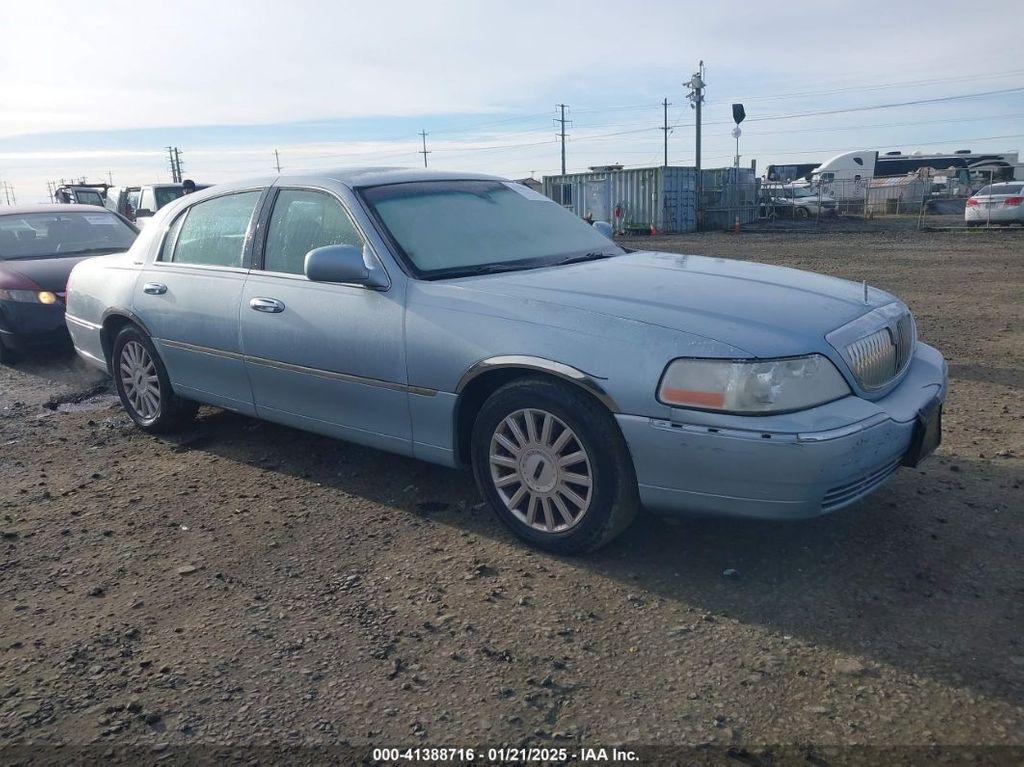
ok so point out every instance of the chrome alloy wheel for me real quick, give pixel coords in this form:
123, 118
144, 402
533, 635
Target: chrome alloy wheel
541, 470
139, 380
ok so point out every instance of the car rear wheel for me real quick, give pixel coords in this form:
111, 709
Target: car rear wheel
553, 466
802, 213
141, 381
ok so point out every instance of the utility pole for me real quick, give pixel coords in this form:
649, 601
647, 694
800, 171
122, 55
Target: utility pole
277, 161
7, 192
177, 163
110, 178
174, 168
424, 152
696, 97
666, 105
562, 121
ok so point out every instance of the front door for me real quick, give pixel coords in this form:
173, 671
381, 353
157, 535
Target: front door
324, 357
189, 298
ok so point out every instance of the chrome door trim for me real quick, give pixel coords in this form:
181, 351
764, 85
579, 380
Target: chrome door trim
540, 364
186, 347
421, 391
348, 378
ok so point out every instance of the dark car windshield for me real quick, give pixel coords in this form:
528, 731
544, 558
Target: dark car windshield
167, 194
448, 228
57, 234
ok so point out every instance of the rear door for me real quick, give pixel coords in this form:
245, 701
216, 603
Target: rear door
324, 357
189, 298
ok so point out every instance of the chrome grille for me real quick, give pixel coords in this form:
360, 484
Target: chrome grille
883, 354
873, 359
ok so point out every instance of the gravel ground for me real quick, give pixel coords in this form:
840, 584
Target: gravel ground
250, 584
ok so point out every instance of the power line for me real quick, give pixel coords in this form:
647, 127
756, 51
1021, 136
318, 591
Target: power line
893, 105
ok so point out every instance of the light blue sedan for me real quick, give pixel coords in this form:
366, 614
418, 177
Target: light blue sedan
467, 320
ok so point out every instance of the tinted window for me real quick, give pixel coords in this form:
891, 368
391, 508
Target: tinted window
89, 197
213, 231
166, 194
301, 221
42, 235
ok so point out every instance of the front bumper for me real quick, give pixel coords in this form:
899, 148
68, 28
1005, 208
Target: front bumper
781, 467
27, 326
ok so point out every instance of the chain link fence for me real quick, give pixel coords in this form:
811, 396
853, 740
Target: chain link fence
920, 201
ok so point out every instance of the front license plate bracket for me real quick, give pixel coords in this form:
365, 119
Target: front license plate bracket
927, 434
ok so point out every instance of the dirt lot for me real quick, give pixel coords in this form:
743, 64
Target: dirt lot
247, 583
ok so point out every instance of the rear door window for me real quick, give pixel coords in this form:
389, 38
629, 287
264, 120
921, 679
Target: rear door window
213, 232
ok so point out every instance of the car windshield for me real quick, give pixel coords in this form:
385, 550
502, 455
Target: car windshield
58, 234
1000, 189
803, 191
448, 228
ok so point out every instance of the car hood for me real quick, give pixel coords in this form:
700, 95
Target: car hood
763, 310
48, 273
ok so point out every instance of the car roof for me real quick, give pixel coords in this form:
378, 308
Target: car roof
20, 210
362, 177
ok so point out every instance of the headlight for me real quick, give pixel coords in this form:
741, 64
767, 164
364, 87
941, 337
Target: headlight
29, 296
752, 386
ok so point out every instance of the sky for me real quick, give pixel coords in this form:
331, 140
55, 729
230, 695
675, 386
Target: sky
100, 89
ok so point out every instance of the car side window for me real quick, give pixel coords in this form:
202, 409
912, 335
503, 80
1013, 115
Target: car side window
167, 248
148, 201
213, 231
303, 220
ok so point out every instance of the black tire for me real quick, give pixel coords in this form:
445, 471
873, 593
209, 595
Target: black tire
613, 497
801, 213
7, 356
171, 412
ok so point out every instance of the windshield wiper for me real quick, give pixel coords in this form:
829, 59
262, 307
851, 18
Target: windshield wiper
491, 269
593, 255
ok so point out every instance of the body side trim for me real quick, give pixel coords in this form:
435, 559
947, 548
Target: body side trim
540, 364
417, 390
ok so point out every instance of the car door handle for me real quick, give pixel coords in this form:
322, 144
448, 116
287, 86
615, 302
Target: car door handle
154, 288
268, 305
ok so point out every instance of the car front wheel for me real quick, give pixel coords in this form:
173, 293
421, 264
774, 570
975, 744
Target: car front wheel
553, 465
142, 384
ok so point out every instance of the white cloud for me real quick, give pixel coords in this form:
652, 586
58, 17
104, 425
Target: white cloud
72, 66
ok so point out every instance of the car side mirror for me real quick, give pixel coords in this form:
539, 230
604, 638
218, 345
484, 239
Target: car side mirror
604, 228
338, 263
143, 212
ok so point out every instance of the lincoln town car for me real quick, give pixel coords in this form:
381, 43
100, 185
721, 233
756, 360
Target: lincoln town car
466, 320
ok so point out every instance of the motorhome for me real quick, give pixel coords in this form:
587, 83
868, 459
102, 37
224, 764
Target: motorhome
847, 176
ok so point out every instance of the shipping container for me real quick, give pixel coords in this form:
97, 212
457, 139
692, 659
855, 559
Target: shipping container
632, 200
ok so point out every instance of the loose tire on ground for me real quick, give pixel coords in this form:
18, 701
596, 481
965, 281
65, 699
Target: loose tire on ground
141, 381
512, 470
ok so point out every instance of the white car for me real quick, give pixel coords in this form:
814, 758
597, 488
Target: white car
996, 204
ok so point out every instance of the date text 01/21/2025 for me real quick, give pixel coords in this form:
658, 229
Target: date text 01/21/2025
499, 755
